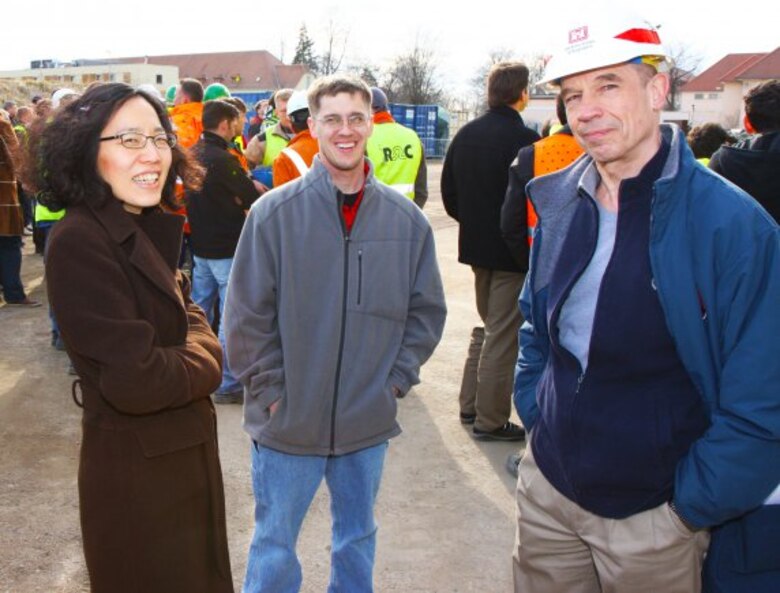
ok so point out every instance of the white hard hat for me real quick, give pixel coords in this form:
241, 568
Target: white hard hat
152, 90
298, 101
603, 39
59, 95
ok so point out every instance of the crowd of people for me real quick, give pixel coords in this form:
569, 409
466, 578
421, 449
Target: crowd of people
292, 270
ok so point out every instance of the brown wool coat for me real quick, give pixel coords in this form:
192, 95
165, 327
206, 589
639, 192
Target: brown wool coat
11, 216
150, 484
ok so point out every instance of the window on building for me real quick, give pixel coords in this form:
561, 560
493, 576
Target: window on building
159, 79
87, 78
698, 96
126, 78
712, 96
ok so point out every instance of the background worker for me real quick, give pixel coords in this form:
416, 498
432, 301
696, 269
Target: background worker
217, 213
265, 147
754, 165
396, 152
187, 112
706, 139
473, 186
296, 158
551, 153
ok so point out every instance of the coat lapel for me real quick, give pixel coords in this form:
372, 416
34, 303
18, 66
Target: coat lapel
152, 244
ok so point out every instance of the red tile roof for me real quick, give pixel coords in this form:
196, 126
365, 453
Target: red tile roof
727, 69
767, 68
237, 69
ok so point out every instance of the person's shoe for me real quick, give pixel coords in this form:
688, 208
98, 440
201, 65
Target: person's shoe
467, 418
234, 397
509, 432
513, 462
25, 302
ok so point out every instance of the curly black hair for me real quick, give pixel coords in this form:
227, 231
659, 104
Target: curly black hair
61, 156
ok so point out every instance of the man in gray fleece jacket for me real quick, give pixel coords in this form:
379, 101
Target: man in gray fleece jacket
334, 302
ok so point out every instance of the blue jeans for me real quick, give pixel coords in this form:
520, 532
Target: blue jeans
209, 281
10, 269
284, 487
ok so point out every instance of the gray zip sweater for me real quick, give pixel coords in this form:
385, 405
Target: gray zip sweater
326, 322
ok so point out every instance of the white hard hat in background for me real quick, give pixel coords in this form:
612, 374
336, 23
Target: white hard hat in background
59, 95
604, 38
298, 101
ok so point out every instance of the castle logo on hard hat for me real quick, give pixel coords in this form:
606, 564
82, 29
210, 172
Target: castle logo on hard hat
579, 34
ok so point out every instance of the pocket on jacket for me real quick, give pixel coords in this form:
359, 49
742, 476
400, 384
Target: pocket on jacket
759, 540
379, 285
169, 432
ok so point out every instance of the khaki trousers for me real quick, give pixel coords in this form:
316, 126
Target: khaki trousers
488, 374
561, 548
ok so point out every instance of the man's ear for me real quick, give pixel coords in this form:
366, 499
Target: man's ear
660, 87
748, 126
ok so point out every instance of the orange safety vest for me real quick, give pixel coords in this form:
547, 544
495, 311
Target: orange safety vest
296, 158
551, 154
187, 120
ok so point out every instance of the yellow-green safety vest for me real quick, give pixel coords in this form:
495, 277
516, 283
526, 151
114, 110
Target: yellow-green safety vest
395, 151
43, 214
274, 144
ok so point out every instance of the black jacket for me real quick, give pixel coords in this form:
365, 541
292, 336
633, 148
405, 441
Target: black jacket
755, 167
474, 181
216, 213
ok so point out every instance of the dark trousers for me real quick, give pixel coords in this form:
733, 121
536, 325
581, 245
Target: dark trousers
10, 269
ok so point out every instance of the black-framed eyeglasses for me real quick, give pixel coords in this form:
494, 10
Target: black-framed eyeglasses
137, 141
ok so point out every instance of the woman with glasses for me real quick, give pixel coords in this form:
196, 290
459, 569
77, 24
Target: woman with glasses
150, 484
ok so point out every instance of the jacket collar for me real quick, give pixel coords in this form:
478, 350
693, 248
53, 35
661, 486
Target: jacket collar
214, 139
151, 240
506, 111
318, 171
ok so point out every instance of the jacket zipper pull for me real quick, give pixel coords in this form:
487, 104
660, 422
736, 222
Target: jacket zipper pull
580, 379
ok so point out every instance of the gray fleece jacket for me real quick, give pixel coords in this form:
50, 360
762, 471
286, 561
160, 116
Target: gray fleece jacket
328, 323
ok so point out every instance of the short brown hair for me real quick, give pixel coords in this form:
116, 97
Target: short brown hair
330, 86
283, 94
193, 88
506, 82
217, 111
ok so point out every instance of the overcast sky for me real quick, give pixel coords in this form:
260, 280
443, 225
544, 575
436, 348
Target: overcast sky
461, 38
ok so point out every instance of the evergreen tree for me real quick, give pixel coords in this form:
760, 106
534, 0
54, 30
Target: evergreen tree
304, 51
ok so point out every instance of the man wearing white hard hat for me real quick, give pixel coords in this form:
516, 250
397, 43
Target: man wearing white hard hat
647, 373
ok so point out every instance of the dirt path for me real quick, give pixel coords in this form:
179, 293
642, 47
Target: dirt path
445, 511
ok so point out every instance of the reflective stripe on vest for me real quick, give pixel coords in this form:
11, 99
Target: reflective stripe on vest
297, 160
274, 144
396, 152
550, 154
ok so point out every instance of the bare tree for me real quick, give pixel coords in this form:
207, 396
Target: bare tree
685, 64
365, 71
335, 48
412, 78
